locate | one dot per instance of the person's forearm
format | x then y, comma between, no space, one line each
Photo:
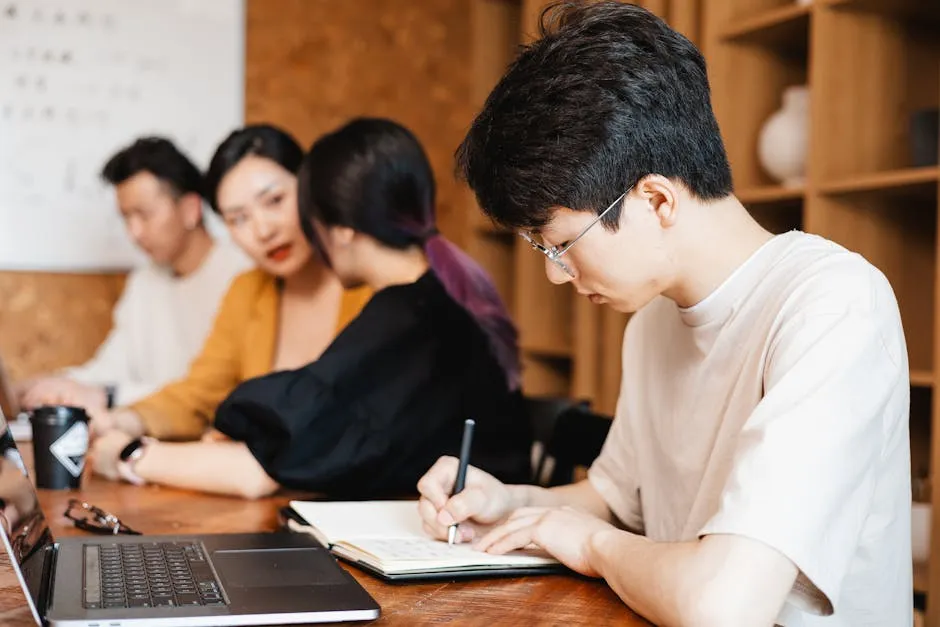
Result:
129,422
696,583
220,467
652,578
581,495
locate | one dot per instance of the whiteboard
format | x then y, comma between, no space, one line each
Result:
80,79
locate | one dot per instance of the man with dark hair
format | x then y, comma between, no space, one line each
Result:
169,304
757,471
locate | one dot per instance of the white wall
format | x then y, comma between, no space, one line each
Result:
80,79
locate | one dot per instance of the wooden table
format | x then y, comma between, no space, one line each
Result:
548,599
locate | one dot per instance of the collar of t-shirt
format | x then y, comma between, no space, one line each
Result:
717,307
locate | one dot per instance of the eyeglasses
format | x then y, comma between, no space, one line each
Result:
554,253
94,519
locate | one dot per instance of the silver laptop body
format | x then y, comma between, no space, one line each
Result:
183,581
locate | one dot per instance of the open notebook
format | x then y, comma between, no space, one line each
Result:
385,538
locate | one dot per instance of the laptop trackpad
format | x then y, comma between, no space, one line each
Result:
265,568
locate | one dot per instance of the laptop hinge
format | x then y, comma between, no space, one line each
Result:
46,588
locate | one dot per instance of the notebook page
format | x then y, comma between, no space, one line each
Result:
354,520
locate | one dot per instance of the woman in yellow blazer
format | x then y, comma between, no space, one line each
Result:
279,316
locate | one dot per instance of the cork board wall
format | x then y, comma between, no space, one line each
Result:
313,64
52,320
310,65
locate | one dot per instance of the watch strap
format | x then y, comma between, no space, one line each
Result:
128,457
132,447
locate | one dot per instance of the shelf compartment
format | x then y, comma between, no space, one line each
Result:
777,215
921,577
873,72
785,27
742,53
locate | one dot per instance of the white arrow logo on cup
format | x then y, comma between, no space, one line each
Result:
71,447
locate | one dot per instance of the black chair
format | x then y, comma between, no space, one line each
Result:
567,435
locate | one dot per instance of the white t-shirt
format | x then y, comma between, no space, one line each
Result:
159,324
776,409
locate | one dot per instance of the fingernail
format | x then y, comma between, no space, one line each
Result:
445,518
466,533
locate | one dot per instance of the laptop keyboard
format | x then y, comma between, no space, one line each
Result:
149,574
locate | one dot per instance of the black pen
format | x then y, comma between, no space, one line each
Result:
462,470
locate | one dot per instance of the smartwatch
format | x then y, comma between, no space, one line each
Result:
128,458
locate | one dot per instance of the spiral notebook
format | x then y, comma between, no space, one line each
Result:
385,538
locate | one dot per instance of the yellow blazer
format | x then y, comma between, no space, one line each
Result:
240,346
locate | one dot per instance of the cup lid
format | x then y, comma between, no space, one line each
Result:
58,414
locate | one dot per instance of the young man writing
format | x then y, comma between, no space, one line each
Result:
168,305
757,471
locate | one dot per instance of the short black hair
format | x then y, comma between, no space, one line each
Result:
608,94
262,140
161,158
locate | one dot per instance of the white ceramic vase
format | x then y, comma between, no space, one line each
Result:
784,138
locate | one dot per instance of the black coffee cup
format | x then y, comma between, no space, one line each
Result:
60,442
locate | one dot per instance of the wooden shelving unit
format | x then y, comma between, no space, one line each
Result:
869,65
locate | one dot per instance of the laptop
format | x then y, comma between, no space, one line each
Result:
183,581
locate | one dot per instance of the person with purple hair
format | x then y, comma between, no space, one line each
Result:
432,347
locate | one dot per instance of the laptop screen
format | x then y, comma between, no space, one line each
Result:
8,402
23,528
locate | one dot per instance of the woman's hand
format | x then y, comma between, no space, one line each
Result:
105,453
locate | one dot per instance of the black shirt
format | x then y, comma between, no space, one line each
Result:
384,401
